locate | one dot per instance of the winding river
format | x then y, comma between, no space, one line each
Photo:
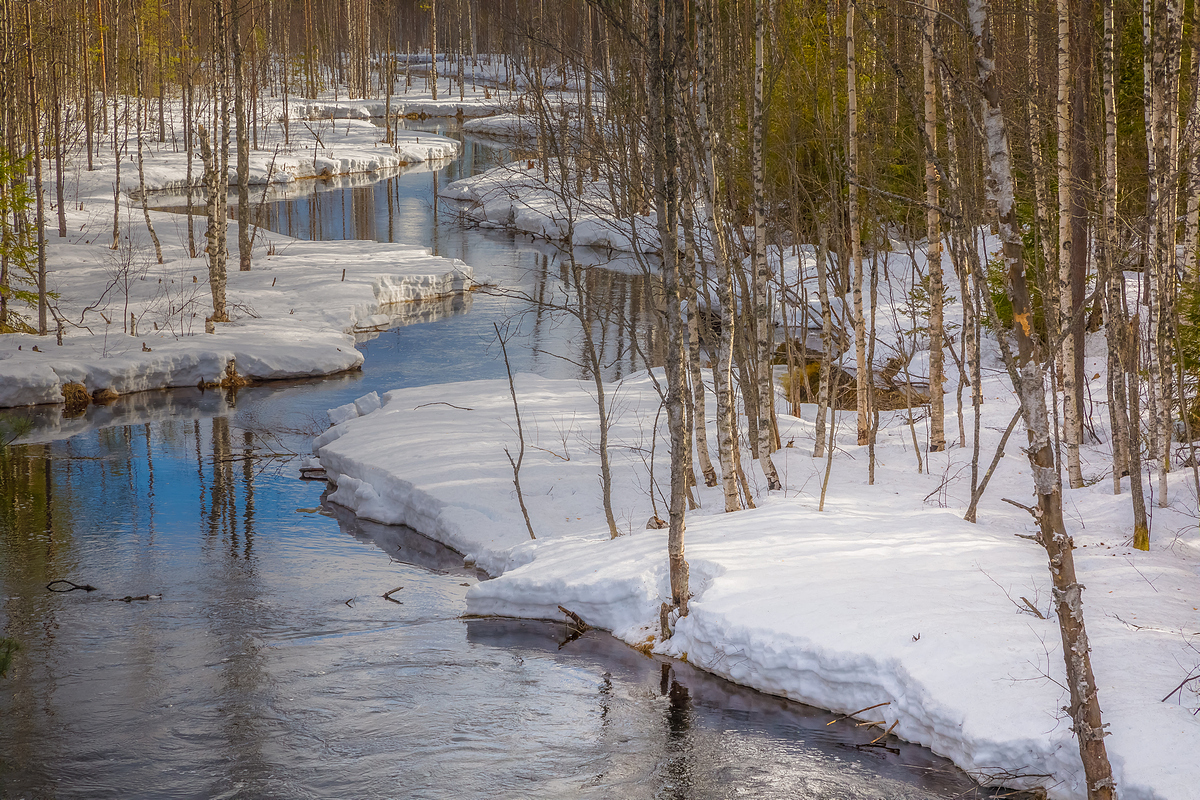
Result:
265,662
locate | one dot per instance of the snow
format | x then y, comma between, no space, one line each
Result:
519,196
886,596
874,600
296,314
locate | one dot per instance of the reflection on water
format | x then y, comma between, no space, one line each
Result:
531,296
272,665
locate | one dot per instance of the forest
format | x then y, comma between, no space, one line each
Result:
762,159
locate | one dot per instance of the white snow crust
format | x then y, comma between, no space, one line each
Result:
884,597
296,314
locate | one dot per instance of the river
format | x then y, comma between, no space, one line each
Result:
265,661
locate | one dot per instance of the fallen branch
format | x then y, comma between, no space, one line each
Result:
856,713
74,586
388,595
580,625
885,733
442,403
129,599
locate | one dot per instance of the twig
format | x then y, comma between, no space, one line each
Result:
74,586
1032,608
856,713
1178,688
516,465
440,403
388,595
1139,572
884,734
580,625
987,476
1032,511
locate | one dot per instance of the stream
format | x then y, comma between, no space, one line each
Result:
265,661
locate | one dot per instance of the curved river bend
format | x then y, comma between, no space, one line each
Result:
267,664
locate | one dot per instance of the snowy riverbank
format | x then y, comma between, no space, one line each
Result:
868,602
518,196
130,324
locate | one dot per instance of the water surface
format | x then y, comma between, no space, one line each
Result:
266,662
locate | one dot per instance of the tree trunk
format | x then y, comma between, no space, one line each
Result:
213,184
137,67
937,407
664,150
38,186
243,138
860,329
695,375
1068,601
722,368
1066,309
763,324
433,73
826,394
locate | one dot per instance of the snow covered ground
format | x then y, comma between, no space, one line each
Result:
518,196
885,597
131,324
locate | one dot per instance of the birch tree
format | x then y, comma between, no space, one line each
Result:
1052,535
1066,246
937,406
762,320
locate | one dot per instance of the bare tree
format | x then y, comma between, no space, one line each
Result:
1068,592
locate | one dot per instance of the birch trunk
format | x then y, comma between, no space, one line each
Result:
826,395
1038,165
937,406
1191,143
699,415
212,186
433,73
137,67
860,327
762,355
243,138
1068,601
1112,275
722,367
1073,423
665,34
38,186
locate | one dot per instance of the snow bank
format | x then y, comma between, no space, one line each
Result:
306,150
887,596
130,324
517,196
296,314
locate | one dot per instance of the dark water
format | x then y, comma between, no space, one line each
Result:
267,663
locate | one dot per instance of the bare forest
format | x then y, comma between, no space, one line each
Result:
1043,158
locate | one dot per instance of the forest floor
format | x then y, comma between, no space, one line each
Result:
885,599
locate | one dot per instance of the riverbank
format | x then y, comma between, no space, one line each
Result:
130,324
898,603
